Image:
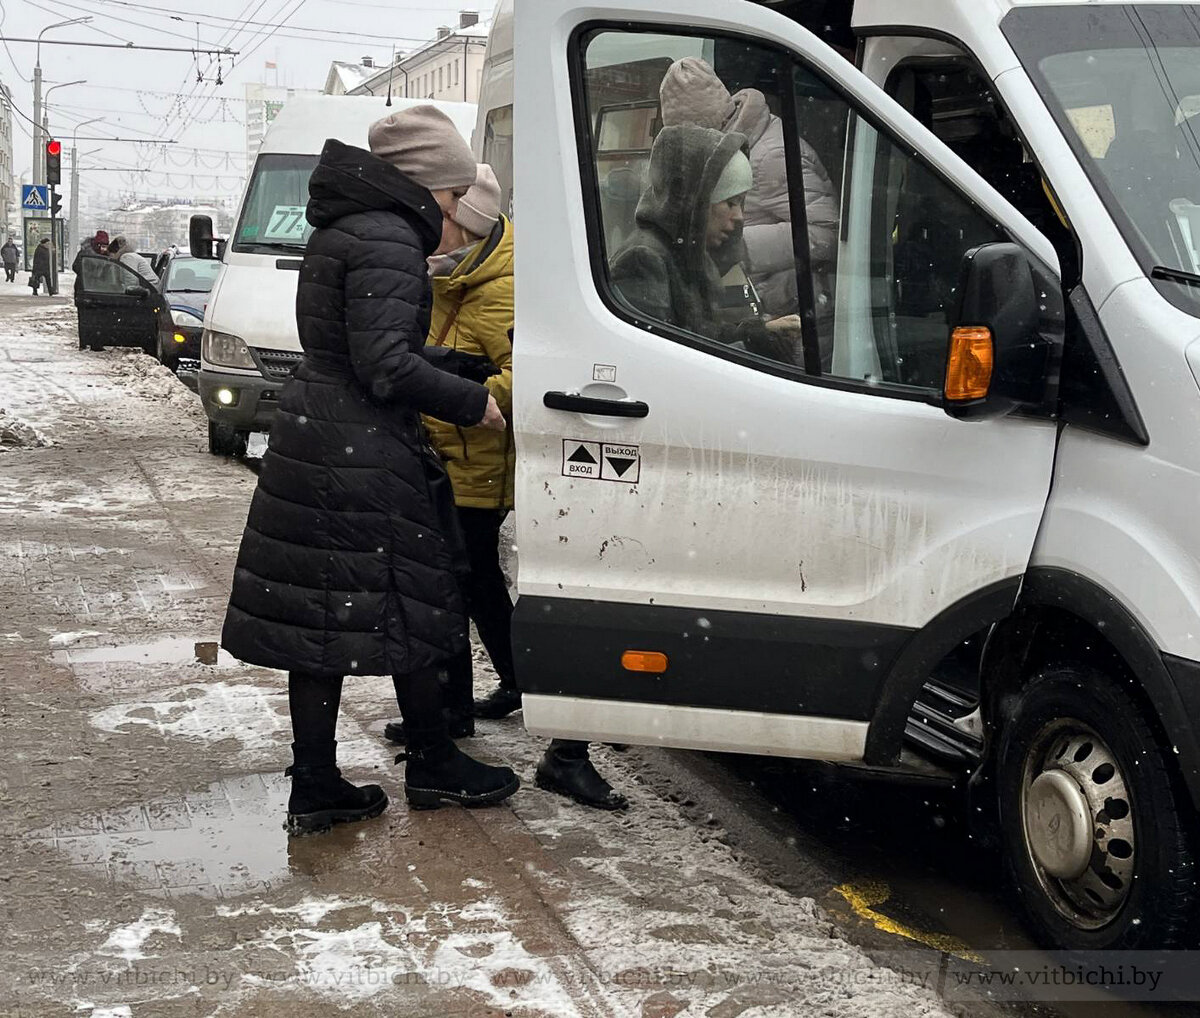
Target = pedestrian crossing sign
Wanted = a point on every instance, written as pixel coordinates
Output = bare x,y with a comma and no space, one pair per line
35,197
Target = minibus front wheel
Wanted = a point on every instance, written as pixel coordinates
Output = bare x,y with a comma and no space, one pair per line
1097,844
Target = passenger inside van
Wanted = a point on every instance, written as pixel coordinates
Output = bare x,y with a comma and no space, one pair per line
688,236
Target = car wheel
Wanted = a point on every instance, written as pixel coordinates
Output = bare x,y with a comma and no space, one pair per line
1099,850
224,440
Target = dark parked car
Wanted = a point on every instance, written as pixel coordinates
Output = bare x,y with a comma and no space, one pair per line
186,283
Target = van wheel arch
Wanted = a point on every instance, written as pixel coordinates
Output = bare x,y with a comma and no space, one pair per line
1062,620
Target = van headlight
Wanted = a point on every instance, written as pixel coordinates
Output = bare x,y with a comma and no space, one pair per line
226,351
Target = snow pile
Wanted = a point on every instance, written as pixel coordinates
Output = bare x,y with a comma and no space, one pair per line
148,378
17,434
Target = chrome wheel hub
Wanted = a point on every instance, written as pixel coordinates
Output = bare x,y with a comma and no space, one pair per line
1078,823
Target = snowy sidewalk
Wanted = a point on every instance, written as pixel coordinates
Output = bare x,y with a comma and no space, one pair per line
143,868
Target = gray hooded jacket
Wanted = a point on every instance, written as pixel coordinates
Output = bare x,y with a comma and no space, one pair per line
665,269
691,92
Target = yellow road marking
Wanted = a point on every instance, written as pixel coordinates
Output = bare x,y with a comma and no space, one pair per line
864,895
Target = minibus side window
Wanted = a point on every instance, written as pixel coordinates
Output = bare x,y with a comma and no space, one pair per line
906,232
498,152
708,253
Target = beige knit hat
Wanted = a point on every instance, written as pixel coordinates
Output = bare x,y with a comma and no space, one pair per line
423,144
479,209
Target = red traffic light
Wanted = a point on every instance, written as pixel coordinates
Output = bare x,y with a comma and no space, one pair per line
54,148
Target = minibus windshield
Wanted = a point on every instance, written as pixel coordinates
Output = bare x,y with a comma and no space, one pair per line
1123,81
273,220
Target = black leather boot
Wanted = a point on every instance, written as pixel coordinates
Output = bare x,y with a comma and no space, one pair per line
321,797
499,703
438,771
459,727
566,769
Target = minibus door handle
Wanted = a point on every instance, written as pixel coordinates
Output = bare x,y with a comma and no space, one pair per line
576,404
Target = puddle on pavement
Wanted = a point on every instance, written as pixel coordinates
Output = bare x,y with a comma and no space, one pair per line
141,666
222,841
171,650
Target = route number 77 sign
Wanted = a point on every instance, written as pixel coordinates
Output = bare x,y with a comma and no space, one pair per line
287,223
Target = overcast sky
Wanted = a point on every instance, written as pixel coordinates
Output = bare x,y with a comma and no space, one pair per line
150,95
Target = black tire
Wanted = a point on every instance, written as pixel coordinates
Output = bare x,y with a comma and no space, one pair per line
224,440
1071,726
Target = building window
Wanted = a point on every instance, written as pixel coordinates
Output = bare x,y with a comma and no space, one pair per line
456,72
440,85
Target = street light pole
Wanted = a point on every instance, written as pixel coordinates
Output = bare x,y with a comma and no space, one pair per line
40,150
73,226
39,142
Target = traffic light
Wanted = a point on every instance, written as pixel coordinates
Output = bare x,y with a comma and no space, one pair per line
53,162
55,205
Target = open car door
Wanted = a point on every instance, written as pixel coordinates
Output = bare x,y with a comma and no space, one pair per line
727,542
116,306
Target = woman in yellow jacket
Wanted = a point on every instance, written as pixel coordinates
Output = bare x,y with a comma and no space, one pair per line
472,327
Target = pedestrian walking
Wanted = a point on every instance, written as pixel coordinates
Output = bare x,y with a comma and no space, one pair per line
471,333
10,256
41,272
349,561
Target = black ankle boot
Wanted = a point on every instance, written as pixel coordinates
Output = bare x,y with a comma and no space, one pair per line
438,771
570,772
321,797
499,703
458,726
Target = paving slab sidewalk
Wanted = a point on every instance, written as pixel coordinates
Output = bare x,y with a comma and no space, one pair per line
143,866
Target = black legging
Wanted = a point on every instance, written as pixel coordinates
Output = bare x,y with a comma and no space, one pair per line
313,701
488,604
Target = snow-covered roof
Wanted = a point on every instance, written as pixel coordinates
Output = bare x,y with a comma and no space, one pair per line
346,76
376,83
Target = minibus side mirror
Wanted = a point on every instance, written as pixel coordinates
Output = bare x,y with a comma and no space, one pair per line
998,357
200,237
136,291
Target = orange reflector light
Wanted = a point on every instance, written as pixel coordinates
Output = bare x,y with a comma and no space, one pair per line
969,367
644,661
180,338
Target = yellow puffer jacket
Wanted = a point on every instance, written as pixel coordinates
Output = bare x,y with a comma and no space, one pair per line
473,306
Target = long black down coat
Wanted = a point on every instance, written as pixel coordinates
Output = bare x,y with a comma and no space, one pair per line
347,564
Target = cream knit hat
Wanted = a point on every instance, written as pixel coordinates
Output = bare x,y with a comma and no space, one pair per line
423,144
479,209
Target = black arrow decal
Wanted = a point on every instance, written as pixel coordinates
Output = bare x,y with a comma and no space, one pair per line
620,465
581,455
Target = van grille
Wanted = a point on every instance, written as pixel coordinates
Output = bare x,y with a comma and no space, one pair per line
277,365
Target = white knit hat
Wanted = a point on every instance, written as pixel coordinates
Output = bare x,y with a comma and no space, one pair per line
479,209
737,178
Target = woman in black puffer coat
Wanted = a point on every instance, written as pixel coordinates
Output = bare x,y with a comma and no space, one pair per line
348,563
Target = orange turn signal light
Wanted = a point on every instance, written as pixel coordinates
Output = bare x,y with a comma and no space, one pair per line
969,366
644,661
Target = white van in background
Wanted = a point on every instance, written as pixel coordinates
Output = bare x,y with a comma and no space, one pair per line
250,343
